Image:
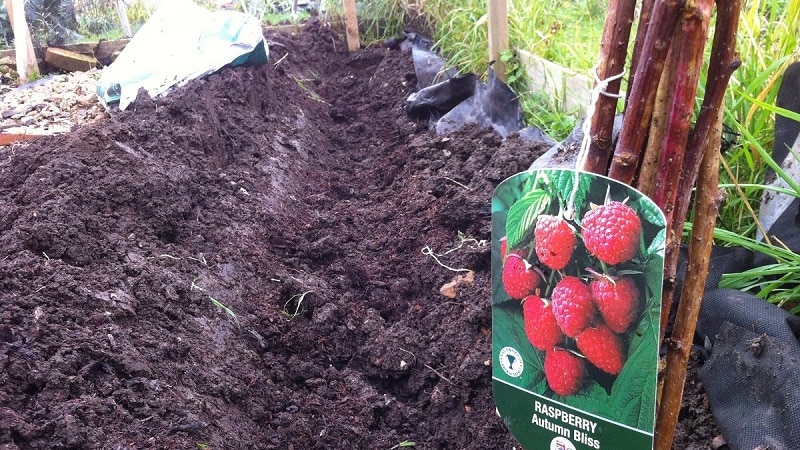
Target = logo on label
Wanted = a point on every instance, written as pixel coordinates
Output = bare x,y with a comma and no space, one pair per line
561,443
511,361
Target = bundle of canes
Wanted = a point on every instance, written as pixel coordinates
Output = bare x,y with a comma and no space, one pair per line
664,149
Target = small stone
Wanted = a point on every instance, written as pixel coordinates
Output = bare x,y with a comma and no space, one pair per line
450,289
719,442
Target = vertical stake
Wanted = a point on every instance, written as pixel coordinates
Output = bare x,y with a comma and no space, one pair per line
124,23
26,56
498,35
351,25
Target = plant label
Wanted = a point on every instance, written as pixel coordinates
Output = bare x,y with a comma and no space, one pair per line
577,272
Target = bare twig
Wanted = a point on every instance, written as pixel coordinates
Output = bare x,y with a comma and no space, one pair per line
724,61
641,31
438,373
689,45
658,124
722,64
613,50
641,97
668,183
680,343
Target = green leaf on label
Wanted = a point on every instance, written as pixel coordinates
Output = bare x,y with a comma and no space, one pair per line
522,216
654,277
563,181
659,242
593,399
536,180
648,211
637,407
505,195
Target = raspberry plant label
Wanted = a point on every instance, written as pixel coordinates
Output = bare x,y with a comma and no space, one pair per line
577,272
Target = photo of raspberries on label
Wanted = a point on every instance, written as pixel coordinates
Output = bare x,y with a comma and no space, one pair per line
519,278
617,300
564,371
554,241
611,232
540,323
572,305
575,292
603,348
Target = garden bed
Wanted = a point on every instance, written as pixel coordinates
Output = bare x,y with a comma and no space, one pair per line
246,263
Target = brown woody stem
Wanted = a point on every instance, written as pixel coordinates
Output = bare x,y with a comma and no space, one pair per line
680,343
689,48
630,145
724,61
658,124
613,50
722,64
641,31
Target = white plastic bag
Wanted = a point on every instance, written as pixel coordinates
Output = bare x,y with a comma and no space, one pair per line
181,41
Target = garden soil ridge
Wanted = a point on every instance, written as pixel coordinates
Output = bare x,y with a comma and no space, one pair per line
245,264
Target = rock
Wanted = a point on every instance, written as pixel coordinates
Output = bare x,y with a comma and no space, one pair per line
450,289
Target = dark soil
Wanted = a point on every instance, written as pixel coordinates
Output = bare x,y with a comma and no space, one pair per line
240,265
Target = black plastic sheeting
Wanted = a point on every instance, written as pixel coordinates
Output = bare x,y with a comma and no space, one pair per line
564,154
450,100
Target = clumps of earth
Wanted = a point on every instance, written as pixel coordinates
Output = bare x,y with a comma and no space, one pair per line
240,264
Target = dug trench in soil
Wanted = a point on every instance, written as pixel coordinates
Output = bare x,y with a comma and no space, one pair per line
246,264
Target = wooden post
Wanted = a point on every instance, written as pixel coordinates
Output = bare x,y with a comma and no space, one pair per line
351,25
124,23
26,56
498,35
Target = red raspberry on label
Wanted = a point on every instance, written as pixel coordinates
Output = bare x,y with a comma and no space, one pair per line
603,348
611,232
540,323
617,300
564,371
572,305
519,277
554,241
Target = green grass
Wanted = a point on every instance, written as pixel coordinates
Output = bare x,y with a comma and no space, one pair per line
565,32
777,282
546,28
767,43
381,19
283,18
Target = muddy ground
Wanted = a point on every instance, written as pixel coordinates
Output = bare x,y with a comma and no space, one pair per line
242,265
